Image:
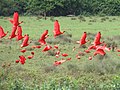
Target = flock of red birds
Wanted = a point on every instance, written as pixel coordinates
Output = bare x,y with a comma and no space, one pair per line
16,32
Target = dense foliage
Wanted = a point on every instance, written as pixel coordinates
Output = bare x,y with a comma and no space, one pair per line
60,7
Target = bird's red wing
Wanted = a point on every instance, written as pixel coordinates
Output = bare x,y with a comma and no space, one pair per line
83,38
16,19
25,41
11,21
19,33
1,32
43,36
56,30
13,32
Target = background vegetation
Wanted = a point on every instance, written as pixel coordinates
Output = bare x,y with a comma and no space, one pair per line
60,7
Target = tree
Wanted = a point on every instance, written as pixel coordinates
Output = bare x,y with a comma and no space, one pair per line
41,7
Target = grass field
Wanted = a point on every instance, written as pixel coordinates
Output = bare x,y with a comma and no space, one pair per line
100,73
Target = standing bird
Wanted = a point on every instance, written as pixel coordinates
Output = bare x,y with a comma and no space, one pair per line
43,37
2,33
25,41
56,30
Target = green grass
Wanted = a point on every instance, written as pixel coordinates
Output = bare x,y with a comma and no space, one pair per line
101,73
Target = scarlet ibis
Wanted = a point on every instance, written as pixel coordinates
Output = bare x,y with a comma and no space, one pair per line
56,30
24,50
25,41
118,50
32,53
92,47
56,63
97,39
2,33
15,20
68,59
47,48
30,57
78,57
56,46
22,59
87,51
17,61
83,39
19,33
64,54
58,52
57,56
99,51
43,37
90,58
103,47
38,46
14,28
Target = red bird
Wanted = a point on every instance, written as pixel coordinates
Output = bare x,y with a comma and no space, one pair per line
30,57
25,41
22,59
43,37
57,54
68,59
99,51
103,47
118,50
64,54
2,33
47,48
14,28
19,33
32,53
87,51
97,39
15,20
38,46
92,47
55,46
17,61
90,58
56,63
83,39
23,51
78,57
56,30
